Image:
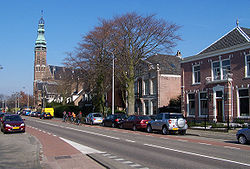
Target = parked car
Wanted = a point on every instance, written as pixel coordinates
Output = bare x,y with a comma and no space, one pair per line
167,122
33,114
94,118
243,135
113,120
12,123
135,122
45,115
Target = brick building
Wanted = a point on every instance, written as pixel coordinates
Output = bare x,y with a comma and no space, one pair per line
215,82
157,81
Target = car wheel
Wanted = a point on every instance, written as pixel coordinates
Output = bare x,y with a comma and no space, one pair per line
182,132
242,139
113,125
165,130
149,129
134,128
120,126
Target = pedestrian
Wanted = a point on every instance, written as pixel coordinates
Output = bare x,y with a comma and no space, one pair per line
79,117
73,117
69,115
64,116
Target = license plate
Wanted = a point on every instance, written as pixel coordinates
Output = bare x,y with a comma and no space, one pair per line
99,120
15,128
175,128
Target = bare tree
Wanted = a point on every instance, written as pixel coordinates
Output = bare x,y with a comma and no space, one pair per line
93,59
136,37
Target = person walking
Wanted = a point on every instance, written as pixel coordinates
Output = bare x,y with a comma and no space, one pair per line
73,117
69,116
64,116
79,117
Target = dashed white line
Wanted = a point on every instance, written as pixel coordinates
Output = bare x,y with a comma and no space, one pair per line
196,154
131,141
127,162
135,165
205,144
112,157
106,154
182,140
232,147
119,159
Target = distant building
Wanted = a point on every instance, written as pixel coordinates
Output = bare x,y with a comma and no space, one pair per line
47,85
157,81
216,81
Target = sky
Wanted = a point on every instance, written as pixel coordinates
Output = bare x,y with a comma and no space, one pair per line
66,21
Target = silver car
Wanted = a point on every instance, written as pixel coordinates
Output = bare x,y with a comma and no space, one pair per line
243,135
167,122
94,118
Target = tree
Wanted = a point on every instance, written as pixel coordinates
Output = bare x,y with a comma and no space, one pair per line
136,37
92,58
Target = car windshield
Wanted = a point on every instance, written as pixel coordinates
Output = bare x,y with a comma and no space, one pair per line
144,117
13,118
176,116
97,115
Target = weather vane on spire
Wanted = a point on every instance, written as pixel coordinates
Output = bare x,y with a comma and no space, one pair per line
42,13
237,22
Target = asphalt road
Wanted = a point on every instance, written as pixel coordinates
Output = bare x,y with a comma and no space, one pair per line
143,150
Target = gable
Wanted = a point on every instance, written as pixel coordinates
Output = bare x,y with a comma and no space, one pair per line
235,37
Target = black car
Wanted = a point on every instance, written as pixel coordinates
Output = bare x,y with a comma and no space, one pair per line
45,115
114,120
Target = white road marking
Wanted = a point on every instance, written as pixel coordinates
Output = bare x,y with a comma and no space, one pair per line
112,157
83,149
119,159
106,155
135,165
165,138
205,144
232,147
131,141
196,154
127,162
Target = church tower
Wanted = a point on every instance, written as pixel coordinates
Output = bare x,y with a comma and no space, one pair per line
40,62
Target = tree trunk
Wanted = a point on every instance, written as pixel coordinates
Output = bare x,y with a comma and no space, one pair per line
130,90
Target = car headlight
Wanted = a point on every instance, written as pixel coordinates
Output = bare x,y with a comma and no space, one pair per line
7,125
22,124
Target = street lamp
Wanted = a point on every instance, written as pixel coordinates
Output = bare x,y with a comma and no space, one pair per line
113,82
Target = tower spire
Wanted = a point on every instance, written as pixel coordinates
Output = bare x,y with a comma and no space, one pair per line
237,22
40,41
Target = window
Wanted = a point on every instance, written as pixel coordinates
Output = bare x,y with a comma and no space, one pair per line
216,70
203,104
196,74
146,82
225,68
191,104
243,102
146,107
154,84
136,87
221,69
154,103
248,66
159,116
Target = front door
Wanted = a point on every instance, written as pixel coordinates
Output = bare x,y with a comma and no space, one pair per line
219,110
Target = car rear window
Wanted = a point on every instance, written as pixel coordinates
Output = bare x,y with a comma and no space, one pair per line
175,116
144,117
13,118
97,115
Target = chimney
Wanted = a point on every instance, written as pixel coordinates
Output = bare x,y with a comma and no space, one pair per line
178,54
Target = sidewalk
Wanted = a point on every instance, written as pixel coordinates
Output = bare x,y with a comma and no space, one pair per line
58,154
229,136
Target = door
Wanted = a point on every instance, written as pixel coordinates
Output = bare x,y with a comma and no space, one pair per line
219,110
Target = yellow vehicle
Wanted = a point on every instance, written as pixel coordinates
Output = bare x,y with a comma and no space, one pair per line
47,113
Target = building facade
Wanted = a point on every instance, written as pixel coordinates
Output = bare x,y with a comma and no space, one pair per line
215,83
157,81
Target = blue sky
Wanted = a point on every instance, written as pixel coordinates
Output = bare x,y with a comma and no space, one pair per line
203,22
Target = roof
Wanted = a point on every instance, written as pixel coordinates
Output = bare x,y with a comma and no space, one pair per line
59,72
237,36
169,64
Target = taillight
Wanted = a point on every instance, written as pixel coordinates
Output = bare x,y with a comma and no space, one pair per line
116,120
94,118
143,121
169,121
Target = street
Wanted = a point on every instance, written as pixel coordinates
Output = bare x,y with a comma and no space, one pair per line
117,148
